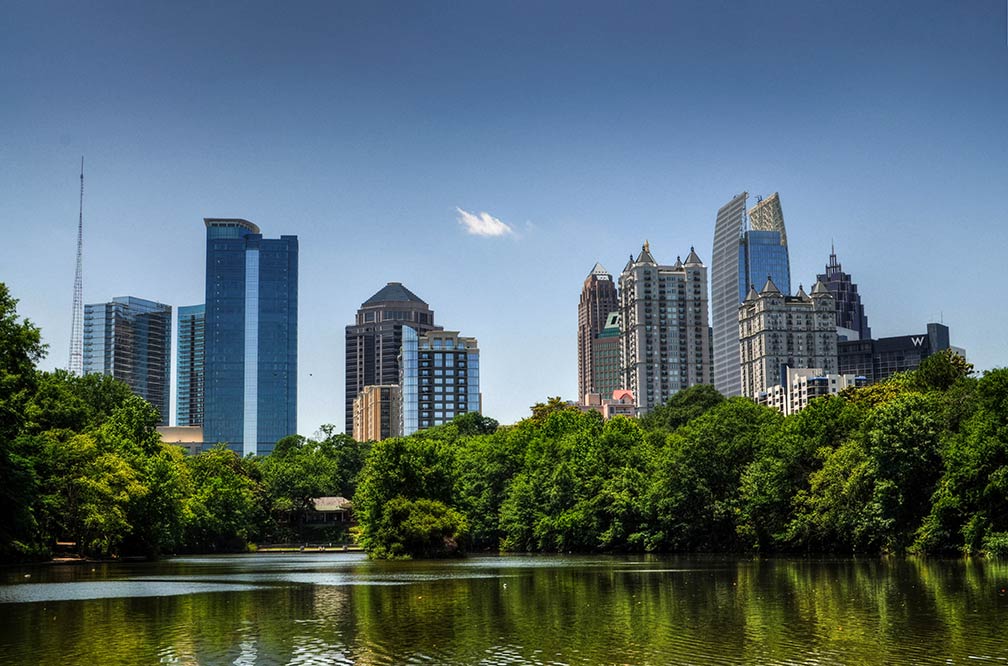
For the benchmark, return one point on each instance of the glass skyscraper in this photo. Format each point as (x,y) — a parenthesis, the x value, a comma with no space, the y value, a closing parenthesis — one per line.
(190,364)
(374,340)
(747,250)
(250,385)
(439,378)
(130,339)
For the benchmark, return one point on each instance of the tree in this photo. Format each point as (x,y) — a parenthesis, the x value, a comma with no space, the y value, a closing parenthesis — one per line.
(21,348)
(541,410)
(682,407)
(222,512)
(415,528)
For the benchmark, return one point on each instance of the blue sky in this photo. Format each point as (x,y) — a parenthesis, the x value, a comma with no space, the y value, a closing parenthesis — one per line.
(364,128)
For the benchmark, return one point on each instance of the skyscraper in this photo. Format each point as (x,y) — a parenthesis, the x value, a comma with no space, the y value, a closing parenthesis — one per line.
(598,300)
(250,387)
(130,339)
(190,365)
(374,340)
(850,314)
(778,331)
(663,327)
(746,252)
(607,375)
(439,378)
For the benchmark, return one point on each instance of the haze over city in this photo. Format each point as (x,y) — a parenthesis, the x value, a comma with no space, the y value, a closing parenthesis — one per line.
(487,156)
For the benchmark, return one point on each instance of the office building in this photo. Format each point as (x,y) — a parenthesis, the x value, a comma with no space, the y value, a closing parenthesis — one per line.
(747,249)
(250,377)
(880,359)
(598,300)
(130,339)
(607,375)
(376,413)
(802,385)
(374,340)
(777,332)
(439,378)
(851,320)
(663,327)
(189,365)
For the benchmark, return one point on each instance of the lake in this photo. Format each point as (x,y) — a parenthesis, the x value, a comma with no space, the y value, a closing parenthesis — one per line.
(344,609)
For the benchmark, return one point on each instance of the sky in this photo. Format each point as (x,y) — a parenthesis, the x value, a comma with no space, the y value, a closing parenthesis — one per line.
(487,154)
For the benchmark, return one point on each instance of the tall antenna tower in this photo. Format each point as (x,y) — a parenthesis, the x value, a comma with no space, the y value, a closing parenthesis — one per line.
(76,364)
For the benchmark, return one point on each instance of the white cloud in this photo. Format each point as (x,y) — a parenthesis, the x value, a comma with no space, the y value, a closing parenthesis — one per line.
(483,224)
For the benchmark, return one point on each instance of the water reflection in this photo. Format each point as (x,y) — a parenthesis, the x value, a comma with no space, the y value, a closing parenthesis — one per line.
(325,609)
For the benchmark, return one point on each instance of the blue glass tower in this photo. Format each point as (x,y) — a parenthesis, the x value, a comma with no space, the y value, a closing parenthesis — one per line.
(439,377)
(250,386)
(190,365)
(746,252)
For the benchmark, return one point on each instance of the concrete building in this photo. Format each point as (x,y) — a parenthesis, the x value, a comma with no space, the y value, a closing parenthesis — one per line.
(439,378)
(130,339)
(598,300)
(189,438)
(803,385)
(376,413)
(851,320)
(374,340)
(621,403)
(777,332)
(878,360)
(663,331)
(190,360)
(606,370)
(250,381)
(746,250)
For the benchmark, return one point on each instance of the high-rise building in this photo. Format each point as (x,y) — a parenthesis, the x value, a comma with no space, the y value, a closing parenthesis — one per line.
(777,332)
(607,375)
(851,320)
(804,385)
(663,319)
(374,340)
(130,339)
(598,300)
(880,359)
(746,251)
(250,385)
(439,378)
(190,365)
(376,413)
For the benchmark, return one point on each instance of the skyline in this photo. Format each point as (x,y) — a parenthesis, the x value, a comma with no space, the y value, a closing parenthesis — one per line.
(387,131)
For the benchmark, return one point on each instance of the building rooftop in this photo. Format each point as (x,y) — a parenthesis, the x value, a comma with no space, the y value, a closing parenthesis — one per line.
(393,292)
(231,222)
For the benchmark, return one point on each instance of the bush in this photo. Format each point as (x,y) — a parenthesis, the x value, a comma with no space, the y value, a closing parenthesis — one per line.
(416,529)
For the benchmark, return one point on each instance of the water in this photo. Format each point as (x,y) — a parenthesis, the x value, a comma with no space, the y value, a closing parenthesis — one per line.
(343,609)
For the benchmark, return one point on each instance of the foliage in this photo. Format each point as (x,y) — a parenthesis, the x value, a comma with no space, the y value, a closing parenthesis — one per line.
(682,408)
(415,528)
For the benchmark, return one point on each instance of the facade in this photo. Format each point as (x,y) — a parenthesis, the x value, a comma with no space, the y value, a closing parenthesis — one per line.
(622,403)
(877,360)
(130,339)
(747,250)
(376,413)
(190,365)
(777,332)
(374,340)
(598,300)
(250,378)
(605,357)
(439,376)
(851,320)
(189,438)
(664,339)
(803,385)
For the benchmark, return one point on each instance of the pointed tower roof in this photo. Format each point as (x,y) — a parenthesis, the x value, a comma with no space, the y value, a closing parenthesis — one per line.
(802,295)
(598,270)
(692,259)
(645,255)
(820,290)
(678,263)
(769,288)
(629,264)
(752,295)
(394,292)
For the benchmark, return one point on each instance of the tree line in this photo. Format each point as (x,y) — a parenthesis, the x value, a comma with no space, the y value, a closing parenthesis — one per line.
(915,464)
